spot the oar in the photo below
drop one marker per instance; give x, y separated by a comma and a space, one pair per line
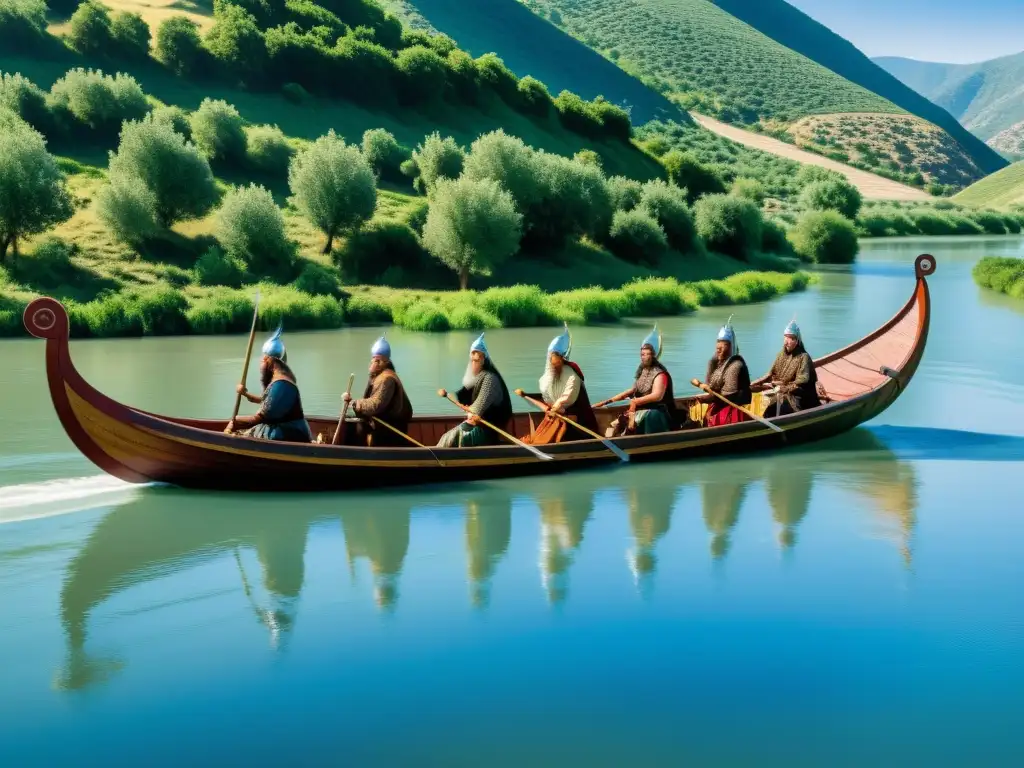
607, 444
400, 432
344, 408
248, 355
751, 414
539, 454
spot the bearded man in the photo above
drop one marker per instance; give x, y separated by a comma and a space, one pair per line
484, 392
792, 377
563, 391
652, 405
384, 398
728, 376
280, 416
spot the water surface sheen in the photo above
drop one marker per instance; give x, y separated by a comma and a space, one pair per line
857, 600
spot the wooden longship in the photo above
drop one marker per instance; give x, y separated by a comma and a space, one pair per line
860, 382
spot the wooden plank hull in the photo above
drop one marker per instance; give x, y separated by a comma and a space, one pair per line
862, 380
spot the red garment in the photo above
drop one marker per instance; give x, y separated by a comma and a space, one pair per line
720, 414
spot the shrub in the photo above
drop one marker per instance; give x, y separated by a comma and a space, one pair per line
128, 209
728, 224
333, 186
176, 117
98, 101
33, 191
613, 119
174, 171
215, 267
294, 93
825, 237
363, 310
990, 221
299, 309
773, 238
235, 40
22, 24
90, 28
1003, 274
832, 195
131, 36
25, 99
463, 82
751, 189
576, 115
222, 311
385, 154
218, 131
268, 150
422, 75
666, 203
625, 193
637, 237
318, 280
654, 296
438, 158
573, 200
383, 248
472, 226
251, 228
421, 316
519, 306
494, 75
363, 71
534, 97
809, 174
179, 46
685, 171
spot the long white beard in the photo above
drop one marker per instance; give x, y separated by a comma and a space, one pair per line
469, 379
552, 387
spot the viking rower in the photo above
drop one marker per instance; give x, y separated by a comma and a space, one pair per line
652, 405
383, 399
728, 376
792, 377
280, 416
563, 391
485, 394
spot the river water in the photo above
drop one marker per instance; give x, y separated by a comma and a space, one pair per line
856, 600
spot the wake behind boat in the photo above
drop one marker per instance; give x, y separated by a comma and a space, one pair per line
859, 381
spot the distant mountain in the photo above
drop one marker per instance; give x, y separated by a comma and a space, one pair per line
798, 31
987, 98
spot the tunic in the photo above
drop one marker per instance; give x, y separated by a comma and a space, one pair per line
385, 398
571, 392
650, 418
489, 399
731, 379
799, 382
282, 416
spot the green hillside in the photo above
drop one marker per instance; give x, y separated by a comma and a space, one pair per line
796, 30
709, 61
1000, 190
988, 97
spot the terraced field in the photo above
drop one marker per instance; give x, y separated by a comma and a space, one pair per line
1000, 190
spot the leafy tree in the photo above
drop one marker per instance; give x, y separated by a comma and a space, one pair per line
33, 191
98, 101
687, 172
333, 185
385, 154
131, 36
534, 96
268, 149
24, 98
236, 40
728, 224
218, 131
128, 208
637, 237
173, 170
251, 228
472, 226
176, 117
22, 24
90, 28
625, 193
510, 162
438, 158
179, 46
825, 237
666, 203
833, 195
422, 75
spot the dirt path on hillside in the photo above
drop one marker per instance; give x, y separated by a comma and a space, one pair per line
871, 186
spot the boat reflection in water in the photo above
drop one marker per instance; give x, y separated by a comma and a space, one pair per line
166, 532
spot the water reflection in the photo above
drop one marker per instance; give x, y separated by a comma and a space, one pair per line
264, 538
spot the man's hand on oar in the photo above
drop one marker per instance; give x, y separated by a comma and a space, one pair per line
607, 444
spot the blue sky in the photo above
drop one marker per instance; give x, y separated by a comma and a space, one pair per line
952, 31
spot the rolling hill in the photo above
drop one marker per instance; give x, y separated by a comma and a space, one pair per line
1000, 190
987, 98
736, 61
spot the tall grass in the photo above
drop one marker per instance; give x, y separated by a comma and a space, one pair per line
942, 218
1002, 274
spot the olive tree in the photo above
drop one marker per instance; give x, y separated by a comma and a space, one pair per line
251, 228
33, 191
172, 169
472, 226
333, 185
438, 158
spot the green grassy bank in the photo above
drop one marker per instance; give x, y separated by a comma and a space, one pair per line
1002, 274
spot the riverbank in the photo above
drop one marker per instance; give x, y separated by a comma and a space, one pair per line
1002, 274
165, 311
